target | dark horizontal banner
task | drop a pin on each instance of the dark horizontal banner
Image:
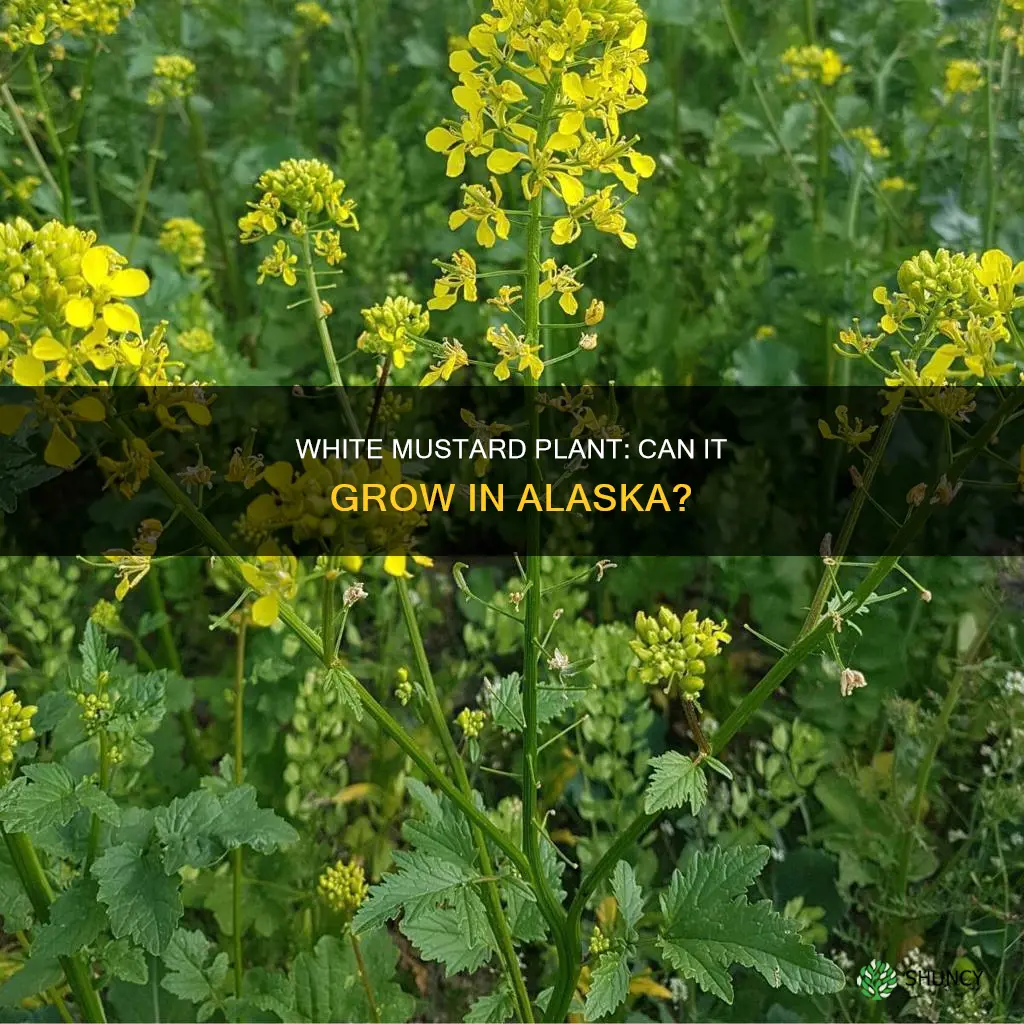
(462, 471)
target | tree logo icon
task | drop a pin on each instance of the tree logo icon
(876, 980)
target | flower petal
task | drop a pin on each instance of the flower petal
(28, 371)
(130, 283)
(61, 450)
(264, 611)
(121, 318)
(95, 266)
(79, 312)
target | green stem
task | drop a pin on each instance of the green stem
(367, 987)
(231, 284)
(492, 898)
(30, 143)
(37, 888)
(237, 854)
(991, 127)
(63, 169)
(96, 825)
(939, 730)
(142, 200)
(333, 369)
(170, 652)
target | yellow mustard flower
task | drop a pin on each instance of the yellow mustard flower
(273, 576)
(963, 77)
(512, 347)
(453, 358)
(813, 63)
(15, 725)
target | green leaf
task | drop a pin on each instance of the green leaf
(42, 797)
(6, 124)
(15, 908)
(142, 902)
(420, 884)
(437, 936)
(125, 961)
(495, 1008)
(37, 975)
(675, 780)
(76, 919)
(191, 976)
(96, 656)
(709, 925)
(609, 985)
(243, 823)
(629, 897)
(269, 991)
(442, 832)
(327, 984)
(339, 684)
(94, 800)
(186, 831)
(505, 702)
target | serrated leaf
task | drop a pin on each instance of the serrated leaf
(42, 797)
(629, 897)
(437, 935)
(269, 991)
(443, 832)
(125, 961)
(94, 800)
(96, 656)
(243, 822)
(340, 685)
(505, 702)
(190, 975)
(609, 985)
(419, 884)
(186, 831)
(675, 780)
(495, 1008)
(709, 925)
(142, 902)
(327, 985)
(76, 919)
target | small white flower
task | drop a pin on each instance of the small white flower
(954, 835)
(851, 680)
(353, 594)
(559, 661)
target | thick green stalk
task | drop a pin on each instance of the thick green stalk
(492, 898)
(37, 888)
(333, 370)
(142, 200)
(237, 854)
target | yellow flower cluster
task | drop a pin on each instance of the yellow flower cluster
(599, 942)
(183, 238)
(1011, 14)
(393, 327)
(404, 688)
(870, 141)
(63, 295)
(35, 22)
(820, 64)
(963, 77)
(174, 78)
(671, 650)
(959, 297)
(306, 196)
(343, 887)
(15, 725)
(471, 722)
(312, 16)
(895, 184)
(541, 90)
(196, 340)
